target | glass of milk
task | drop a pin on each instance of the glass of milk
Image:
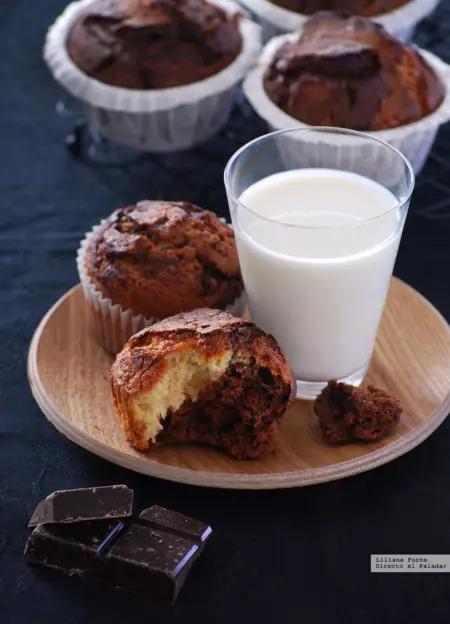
(318, 214)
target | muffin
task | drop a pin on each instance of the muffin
(399, 17)
(157, 75)
(154, 44)
(206, 377)
(366, 8)
(347, 71)
(153, 260)
(347, 413)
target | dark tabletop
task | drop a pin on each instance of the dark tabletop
(287, 556)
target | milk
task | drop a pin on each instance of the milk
(319, 280)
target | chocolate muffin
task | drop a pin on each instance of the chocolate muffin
(347, 71)
(366, 8)
(154, 44)
(207, 377)
(348, 413)
(160, 258)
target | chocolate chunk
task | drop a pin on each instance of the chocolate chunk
(150, 557)
(338, 59)
(182, 525)
(67, 506)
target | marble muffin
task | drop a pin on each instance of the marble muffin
(347, 71)
(207, 377)
(160, 258)
(154, 44)
(366, 8)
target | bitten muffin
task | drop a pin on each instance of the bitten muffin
(154, 44)
(347, 71)
(367, 8)
(348, 413)
(207, 377)
(161, 258)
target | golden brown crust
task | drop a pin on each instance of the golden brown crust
(366, 8)
(161, 258)
(141, 364)
(154, 44)
(347, 71)
(138, 366)
(125, 384)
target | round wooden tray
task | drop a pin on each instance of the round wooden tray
(69, 376)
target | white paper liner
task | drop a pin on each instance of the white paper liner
(413, 140)
(112, 325)
(158, 120)
(401, 22)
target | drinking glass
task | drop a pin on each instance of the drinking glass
(318, 283)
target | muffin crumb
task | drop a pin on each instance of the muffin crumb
(349, 413)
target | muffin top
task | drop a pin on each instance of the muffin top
(347, 71)
(366, 8)
(213, 333)
(154, 44)
(161, 258)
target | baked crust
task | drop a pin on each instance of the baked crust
(347, 71)
(238, 410)
(154, 44)
(161, 258)
(348, 413)
(366, 8)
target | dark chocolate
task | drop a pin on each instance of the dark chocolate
(97, 503)
(149, 556)
(178, 523)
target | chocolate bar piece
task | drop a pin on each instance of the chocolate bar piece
(177, 523)
(148, 556)
(96, 503)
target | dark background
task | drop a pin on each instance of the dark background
(288, 556)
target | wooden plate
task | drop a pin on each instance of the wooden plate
(69, 376)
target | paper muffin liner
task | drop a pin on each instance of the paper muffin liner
(413, 140)
(401, 22)
(159, 120)
(111, 324)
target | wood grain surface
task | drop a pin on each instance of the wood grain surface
(69, 376)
